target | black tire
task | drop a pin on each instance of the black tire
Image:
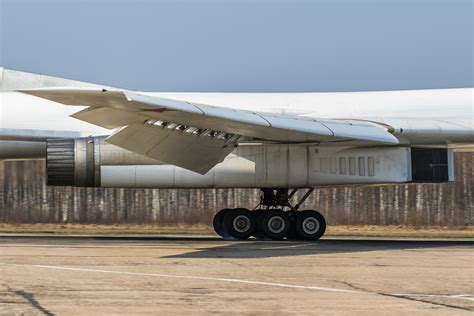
(291, 234)
(310, 225)
(240, 223)
(275, 224)
(218, 222)
(258, 234)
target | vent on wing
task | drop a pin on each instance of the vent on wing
(200, 132)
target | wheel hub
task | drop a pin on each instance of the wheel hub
(241, 223)
(310, 225)
(276, 224)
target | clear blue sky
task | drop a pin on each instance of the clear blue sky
(268, 46)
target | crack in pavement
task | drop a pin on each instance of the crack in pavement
(356, 289)
(428, 302)
(406, 297)
(33, 302)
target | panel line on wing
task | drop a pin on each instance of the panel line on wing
(269, 123)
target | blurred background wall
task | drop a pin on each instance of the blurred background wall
(24, 198)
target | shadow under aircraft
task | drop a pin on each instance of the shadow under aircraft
(259, 249)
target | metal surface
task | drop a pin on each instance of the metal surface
(97, 163)
(34, 135)
(305, 196)
(60, 162)
(270, 166)
(78, 161)
(196, 152)
(269, 126)
(432, 117)
(317, 121)
(90, 181)
(10, 149)
(96, 160)
(276, 224)
(23, 117)
(310, 225)
(241, 223)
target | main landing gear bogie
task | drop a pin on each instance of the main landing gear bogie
(273, 222)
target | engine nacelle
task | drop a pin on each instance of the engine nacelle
(77, 162)
(91, 162)
(22, 149)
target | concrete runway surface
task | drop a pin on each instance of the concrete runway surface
(193, 276)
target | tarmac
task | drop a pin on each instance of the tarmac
(181, 275)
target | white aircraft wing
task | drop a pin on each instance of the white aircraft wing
(198, 136)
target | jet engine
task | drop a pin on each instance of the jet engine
(77, 162)
(92, 162)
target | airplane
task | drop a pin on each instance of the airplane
(98, 136)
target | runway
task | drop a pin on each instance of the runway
(202, 275)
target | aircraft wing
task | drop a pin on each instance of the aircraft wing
(198, 136)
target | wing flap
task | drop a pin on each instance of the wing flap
(109, 118)
(198, 153)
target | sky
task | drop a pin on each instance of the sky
(243, 46)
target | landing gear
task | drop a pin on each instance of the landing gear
(240, 223)
(270, 220)
(218, 223)
(310, 225)
(275, 224)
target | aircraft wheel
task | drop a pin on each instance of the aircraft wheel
(275, 224)
(258, 234)
(218, 223)
(291, 234)
(310, 225)
(240, 223)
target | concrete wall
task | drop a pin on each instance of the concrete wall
(24, 198)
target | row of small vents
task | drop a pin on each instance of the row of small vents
(201, 132)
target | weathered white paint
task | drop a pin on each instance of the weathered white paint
(275, 166)
(442, 116)
(419, 118)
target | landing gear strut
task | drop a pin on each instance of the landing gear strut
(274, 218)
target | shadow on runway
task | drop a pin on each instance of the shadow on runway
(215, 247)
(262, 249)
